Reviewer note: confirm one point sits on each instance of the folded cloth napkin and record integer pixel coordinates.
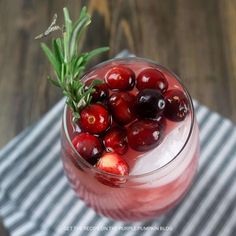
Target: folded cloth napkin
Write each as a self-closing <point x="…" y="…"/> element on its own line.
<point x="36" y="200"/>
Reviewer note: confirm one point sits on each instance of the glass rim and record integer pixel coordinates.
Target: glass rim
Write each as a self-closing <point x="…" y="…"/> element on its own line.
<point x="111" y="175"/>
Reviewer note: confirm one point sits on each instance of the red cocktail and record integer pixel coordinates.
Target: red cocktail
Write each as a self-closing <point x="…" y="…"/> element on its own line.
<point x="133" y="153"/>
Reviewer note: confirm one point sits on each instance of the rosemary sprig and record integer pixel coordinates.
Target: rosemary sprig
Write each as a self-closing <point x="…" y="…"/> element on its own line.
<point x="68" y="63"/>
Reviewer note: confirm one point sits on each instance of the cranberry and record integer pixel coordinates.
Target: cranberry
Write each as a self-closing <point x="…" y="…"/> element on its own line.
<point x="122" y="107"/>
<point x="94" y="119"/>
<point x="112" y="163"/>
<point x="144" y="135"/>
<point x="176" y="105"/>
<point x="101" y="91"/>
<point x="116" y="140"/>
<point x="120" y="78"/>
<point x="151" y="78"/>
<point x="149" y="103"/>
<point x="88" y="146"/>
<point x="161" y="120"/>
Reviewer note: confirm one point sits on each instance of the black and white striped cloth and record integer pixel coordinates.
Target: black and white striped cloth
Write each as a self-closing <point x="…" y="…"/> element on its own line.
<point x="36" y="200"/>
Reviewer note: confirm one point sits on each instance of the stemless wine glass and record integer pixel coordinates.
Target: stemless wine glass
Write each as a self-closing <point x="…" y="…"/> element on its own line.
<point x="138" y="196"/>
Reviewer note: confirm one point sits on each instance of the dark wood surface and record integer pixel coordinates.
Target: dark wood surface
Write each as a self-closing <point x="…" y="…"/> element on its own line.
<point x="195" y="39"/>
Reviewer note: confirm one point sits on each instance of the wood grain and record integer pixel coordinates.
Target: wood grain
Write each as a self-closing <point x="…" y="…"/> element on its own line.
<point x="195" y="39"/>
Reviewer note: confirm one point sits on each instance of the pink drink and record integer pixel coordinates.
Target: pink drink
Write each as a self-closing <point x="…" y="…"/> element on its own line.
<point x="158" y="178"/>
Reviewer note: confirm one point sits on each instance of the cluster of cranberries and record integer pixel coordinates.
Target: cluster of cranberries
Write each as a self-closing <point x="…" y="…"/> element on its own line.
<point x="126" y="111"/>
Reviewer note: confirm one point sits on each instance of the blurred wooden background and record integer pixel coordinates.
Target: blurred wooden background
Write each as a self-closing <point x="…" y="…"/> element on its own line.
<point x="195" y="39"/>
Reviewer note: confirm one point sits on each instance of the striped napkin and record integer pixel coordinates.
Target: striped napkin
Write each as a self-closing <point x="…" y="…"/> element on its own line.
<point x="36" y="200"/>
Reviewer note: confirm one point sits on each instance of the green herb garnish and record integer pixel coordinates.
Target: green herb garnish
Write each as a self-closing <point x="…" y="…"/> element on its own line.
<point x="68" y="63"/>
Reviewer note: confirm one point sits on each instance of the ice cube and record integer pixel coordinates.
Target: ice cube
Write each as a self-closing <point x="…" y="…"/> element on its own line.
<point x="165" y="152"/>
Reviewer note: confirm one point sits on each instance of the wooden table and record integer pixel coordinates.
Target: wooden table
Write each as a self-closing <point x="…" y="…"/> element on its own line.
<point x="195" y="39"/>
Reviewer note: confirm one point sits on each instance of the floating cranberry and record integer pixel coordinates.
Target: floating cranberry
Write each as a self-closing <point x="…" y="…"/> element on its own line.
<point x="144" y="135"/>
<point x="94" y="119"/>
<point x="176" y="105"/>
<point x="116" y="140"/>
<point x="122" y="107"/>
<point x="112" y="163"/>
<point x="88" y="146"/>
<point x="149" y="103"/>
<point x="101" y="91"/>
<point x="120" y="78"/>
<point x="153" y="79"/>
